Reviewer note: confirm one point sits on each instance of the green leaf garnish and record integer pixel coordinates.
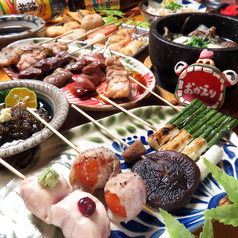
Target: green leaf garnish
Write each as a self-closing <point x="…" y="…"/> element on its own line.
<point x="175" y="228"/>
<point x="207" y="231"/>
<point x="109" y="19"/>
<point x="226" y="214"/>
<point x="229" y="183"/>
<point x="173" y="6"/>
<point x="198" y="42"/>
<point x="3" y="95"/>
<point x="144" y="24"/>
<point x="113" y="13"/>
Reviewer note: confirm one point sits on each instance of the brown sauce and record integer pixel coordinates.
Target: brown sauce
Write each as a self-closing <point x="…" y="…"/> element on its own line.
<point x="22" y="124"/>
<point x="13" y="30"/>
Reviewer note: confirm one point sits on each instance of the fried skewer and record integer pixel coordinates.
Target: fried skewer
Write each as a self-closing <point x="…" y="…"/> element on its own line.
<point x="121" y="29"/>
<point x="69" y="32"/>
<point x="91" y="44"/>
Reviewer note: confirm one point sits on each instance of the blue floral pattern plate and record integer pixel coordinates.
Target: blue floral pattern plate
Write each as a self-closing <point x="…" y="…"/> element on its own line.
<point x="17" y="221"/>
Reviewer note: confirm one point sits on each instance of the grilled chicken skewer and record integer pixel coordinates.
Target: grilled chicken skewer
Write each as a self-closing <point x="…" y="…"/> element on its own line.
<point x="12" y="56"/>
<point x="60" y="205"/>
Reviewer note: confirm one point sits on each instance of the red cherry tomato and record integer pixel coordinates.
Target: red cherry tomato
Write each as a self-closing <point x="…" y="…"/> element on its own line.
<point x="114" y="204"/>
<point x="87" y="171"/>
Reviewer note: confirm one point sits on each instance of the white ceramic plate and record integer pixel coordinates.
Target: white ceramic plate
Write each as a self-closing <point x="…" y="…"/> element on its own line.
<point x="89" y="101"/>
<point x="17" y="221"/>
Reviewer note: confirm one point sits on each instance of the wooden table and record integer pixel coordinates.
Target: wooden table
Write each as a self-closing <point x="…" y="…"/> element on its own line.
<point x="230" y="106"/>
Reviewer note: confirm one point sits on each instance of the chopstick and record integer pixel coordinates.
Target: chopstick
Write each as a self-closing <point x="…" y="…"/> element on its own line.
<point x="54" y="130"/>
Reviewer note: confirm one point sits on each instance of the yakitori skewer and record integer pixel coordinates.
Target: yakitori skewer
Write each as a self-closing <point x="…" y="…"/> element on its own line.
<point x="88" y="45"/>
<point x="53" y="129"/>
<point x="171" y="105"/>
<point x="117" y="138"/>
<point x="69" y="143"/>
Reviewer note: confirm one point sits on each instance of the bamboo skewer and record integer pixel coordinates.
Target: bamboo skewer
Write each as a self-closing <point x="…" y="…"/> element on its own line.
<point x="57" y="37"/>
<point x="162" y="99"/>
<point x="53" y="129"/>
<point x="99" y="125"/>
<point x="128" y="112"/>
<point x="12" y="169"/>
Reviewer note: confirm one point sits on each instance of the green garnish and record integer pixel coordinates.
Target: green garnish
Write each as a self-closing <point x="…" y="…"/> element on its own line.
<point x="48" y="178"/>
<point x="3" y="95"/>
<point x="175" y="228"/>
<point x="198" y="42"/>
<point x="113" y="13"/>
<point x="225" y="214"/>
<point x="229" y="183"/>
<point x="109" y="19"/>
<point x="207" y="231"/>
<point x="173" y="6"/>
<point x="144" y="24"/>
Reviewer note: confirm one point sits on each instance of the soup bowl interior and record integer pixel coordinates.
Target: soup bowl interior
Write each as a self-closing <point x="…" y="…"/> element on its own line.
<point x="164" y="54"/>
<point x="55" y="101"/>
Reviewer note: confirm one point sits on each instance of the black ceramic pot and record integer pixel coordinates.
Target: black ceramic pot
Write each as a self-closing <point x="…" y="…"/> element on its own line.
<point x="164" y="54"/>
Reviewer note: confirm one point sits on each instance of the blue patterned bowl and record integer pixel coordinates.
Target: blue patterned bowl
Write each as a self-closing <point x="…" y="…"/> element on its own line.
<point x="17" y="27"/>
